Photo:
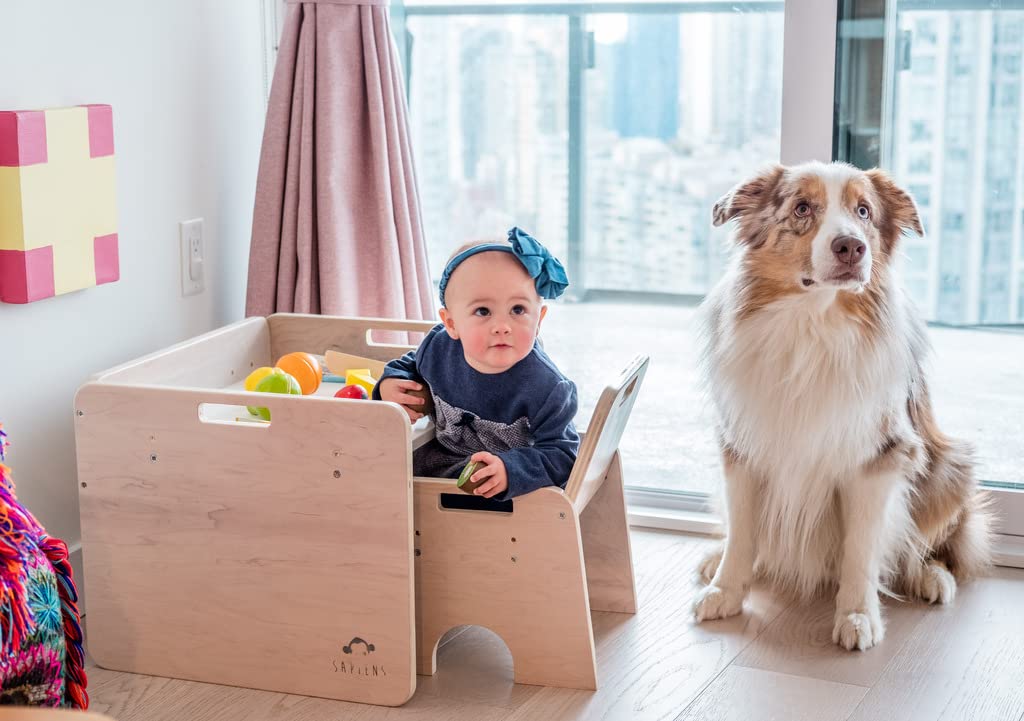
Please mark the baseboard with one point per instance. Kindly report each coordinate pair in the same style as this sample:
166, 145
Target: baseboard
669, 519
1008, 549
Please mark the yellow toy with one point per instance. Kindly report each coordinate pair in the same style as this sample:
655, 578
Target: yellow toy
361, 377
254, 378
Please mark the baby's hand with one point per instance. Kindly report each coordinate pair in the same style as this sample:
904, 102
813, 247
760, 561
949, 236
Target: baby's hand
394, 389
493, 470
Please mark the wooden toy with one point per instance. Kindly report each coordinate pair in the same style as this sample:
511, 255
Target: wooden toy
277, 381
361, 377
464, 483
296, 539
253, 379
338, 363
304, 368
353, 390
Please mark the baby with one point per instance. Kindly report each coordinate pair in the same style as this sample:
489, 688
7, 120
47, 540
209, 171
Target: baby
498, 398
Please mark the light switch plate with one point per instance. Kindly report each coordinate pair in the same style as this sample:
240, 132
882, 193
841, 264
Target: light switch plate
193, 257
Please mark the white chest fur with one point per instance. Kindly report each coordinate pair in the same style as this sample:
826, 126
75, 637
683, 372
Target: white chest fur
801, 390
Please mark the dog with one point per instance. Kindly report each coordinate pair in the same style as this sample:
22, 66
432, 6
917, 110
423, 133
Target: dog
837, 477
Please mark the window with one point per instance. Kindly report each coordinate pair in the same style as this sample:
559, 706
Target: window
610, 131
926, 31
920, 131
1010, 93
923, 65
1008, 31
953, 221
916, 257
923, 95
972, 175
920, 163
609, 135
489, 127
922, 194
999, 222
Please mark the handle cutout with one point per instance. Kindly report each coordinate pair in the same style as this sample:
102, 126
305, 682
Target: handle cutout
226, 415
397, 340
466, 502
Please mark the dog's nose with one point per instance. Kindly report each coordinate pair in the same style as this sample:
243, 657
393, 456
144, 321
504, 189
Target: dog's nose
848, 249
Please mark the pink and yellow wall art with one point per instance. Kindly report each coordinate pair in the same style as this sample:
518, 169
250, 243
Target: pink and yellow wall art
58, 211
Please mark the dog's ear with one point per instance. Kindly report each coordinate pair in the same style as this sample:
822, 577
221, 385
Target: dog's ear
899, 212
750, 195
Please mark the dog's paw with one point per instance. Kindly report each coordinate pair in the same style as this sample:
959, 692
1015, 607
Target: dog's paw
715, 602
860, 629
937, 584
709, 566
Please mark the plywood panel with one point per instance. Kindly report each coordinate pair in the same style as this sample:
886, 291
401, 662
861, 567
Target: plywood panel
249, 555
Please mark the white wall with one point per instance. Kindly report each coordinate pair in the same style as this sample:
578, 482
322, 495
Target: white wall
185, 79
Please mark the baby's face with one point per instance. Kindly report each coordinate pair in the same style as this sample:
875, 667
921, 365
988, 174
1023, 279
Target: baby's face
493, 308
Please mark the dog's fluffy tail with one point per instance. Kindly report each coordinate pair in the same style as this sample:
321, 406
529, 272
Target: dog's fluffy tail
967, 550
967, 547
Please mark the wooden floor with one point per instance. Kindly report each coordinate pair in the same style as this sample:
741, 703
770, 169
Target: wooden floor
961, 662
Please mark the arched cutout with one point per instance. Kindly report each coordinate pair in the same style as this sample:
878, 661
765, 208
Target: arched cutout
478, 653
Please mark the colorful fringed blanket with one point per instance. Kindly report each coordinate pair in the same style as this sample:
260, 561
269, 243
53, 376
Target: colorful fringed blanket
41, 657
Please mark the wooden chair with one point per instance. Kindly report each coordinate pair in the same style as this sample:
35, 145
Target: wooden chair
533, 576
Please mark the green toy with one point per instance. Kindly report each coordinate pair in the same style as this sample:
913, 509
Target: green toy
277, 381
466, 485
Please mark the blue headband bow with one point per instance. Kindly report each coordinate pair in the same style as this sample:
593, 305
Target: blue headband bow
547, 272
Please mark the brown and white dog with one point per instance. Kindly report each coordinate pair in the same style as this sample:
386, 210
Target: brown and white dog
837, 477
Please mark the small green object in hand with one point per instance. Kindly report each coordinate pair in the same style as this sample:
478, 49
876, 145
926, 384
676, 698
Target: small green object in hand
465, 484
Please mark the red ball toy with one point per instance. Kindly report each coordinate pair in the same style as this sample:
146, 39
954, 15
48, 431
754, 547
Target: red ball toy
352, 391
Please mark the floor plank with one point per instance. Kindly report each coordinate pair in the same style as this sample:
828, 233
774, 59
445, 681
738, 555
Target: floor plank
799, 642
750, 694
963, 662
650, 666
128, 697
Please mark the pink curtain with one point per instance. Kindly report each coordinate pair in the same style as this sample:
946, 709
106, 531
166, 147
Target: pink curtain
336, 225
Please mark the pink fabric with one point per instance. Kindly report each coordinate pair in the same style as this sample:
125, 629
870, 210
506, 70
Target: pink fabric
336, 225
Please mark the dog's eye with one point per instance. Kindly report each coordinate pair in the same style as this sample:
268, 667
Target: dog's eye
864, 211
802, 210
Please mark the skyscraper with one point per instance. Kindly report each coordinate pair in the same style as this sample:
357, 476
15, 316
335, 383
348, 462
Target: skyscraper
646, 78
958, 136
